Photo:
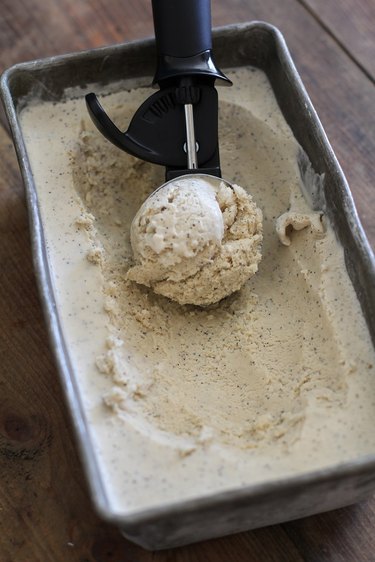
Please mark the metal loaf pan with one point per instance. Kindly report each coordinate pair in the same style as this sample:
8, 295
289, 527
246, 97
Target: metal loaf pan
260, 45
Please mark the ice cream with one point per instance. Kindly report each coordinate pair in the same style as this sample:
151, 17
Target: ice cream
183, 401
196, 240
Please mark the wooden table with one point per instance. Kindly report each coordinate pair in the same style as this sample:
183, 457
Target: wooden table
45, 511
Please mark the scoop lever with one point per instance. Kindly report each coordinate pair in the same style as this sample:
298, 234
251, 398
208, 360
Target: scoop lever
177, 126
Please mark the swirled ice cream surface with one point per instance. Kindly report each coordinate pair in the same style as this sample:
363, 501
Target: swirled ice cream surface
182, 401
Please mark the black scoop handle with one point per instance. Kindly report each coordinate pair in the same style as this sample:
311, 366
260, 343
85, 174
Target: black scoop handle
183, 40
182, 27
186, 74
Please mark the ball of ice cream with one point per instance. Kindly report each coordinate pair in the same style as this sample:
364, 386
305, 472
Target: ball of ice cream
196, 240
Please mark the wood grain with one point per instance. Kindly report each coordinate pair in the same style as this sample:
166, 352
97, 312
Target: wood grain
45, 511
351, 22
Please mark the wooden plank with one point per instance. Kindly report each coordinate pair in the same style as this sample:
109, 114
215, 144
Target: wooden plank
352, 23
329, 537
31, 29
44, 504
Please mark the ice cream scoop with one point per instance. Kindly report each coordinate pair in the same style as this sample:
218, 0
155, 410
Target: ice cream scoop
177, 126
196, 240
192, 239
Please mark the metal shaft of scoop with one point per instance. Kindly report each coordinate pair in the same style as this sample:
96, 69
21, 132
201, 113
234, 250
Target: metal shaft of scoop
191, 146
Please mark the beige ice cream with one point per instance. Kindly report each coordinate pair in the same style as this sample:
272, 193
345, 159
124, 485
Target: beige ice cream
184, 401
196, 240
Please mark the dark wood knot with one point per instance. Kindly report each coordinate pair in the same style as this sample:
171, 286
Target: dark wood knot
19, 429
23, 436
